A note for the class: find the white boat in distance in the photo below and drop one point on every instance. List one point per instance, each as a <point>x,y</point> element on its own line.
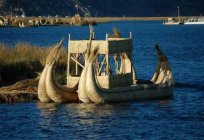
<point>193,21</point>
<point>174,21</point>
<point>171,21</point>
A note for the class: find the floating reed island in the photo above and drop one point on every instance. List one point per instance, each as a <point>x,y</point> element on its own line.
<point>76,20</point>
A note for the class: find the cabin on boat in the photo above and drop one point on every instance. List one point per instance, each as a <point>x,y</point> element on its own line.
<point>113,65</point>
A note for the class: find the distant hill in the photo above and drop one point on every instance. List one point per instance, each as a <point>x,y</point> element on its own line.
<point>102,7</point>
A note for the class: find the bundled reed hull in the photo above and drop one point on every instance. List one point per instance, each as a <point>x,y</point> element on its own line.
<point>124,94</point>
<point>57,92</point>
<point>42,93</point>
<point>160,86</point>
<point>48,88</point>
<point>82,87</point>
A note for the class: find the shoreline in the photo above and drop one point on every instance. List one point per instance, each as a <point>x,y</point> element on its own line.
<point>110,19</point>
<point>80,21</point>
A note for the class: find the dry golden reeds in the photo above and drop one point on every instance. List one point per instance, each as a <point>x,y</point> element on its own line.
<point>22,52</point>
<point>54,54</point>
<point>13,97</point>
<point>115,33</point>
<point>19,66</point>
<point>23,59</point>
<point>22,91</point>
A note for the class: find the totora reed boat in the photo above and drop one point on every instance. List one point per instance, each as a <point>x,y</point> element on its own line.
<point>48,88</point>
<point>103,72</point>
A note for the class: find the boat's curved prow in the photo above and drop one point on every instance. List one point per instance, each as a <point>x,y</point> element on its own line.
<point>92,88</point>
<point>48,88</point>
<point>42,93</point>
<point>82,86</point>
<point>163,72</point>
<point>56,92</point>
<point>21,24</point>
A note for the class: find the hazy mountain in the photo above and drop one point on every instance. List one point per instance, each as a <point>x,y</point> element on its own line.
<point>102,7</point>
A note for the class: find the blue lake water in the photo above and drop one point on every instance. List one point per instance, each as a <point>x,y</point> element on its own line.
<point>179,118</point>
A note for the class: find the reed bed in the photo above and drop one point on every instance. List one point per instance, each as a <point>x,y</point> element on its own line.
<point>20,62</point>
<point>20,67</point>
<point>22,91</point>
<point>24,61</point>
<point>22,52</point>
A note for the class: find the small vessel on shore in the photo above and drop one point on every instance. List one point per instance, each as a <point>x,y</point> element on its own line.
<point>21,24</point>
<point>194,21</point>
<point>174,21</point>
<point>171,21</point>
<point>77,20</point>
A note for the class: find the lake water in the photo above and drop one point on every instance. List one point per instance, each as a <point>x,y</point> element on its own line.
<point>179,118</point>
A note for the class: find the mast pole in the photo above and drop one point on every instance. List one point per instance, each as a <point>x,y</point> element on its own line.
<point>178,14</point>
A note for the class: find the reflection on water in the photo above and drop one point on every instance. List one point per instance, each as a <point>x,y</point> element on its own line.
<point>136,120</point>
<point>47,112</point>
<point>47,106</point>
<point>164,103</point>
<point>100,110</point>
<point>90,121</point>
<point>86,112</point>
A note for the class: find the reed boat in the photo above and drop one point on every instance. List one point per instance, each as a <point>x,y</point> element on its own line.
<point>102,71</point>
<point>43,21</point>
<point>21,24</point>
<point>48,88</point>
<point>77,20</point>
<point>99,84</point>
<point>160,87</point>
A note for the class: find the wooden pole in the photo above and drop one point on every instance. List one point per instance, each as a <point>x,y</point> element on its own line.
<point>77,62</point>
<point>68,67</point>
<point>101,65</point>
<point>130,35</point>
<point>69,37</point>
<point>107,64</point>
